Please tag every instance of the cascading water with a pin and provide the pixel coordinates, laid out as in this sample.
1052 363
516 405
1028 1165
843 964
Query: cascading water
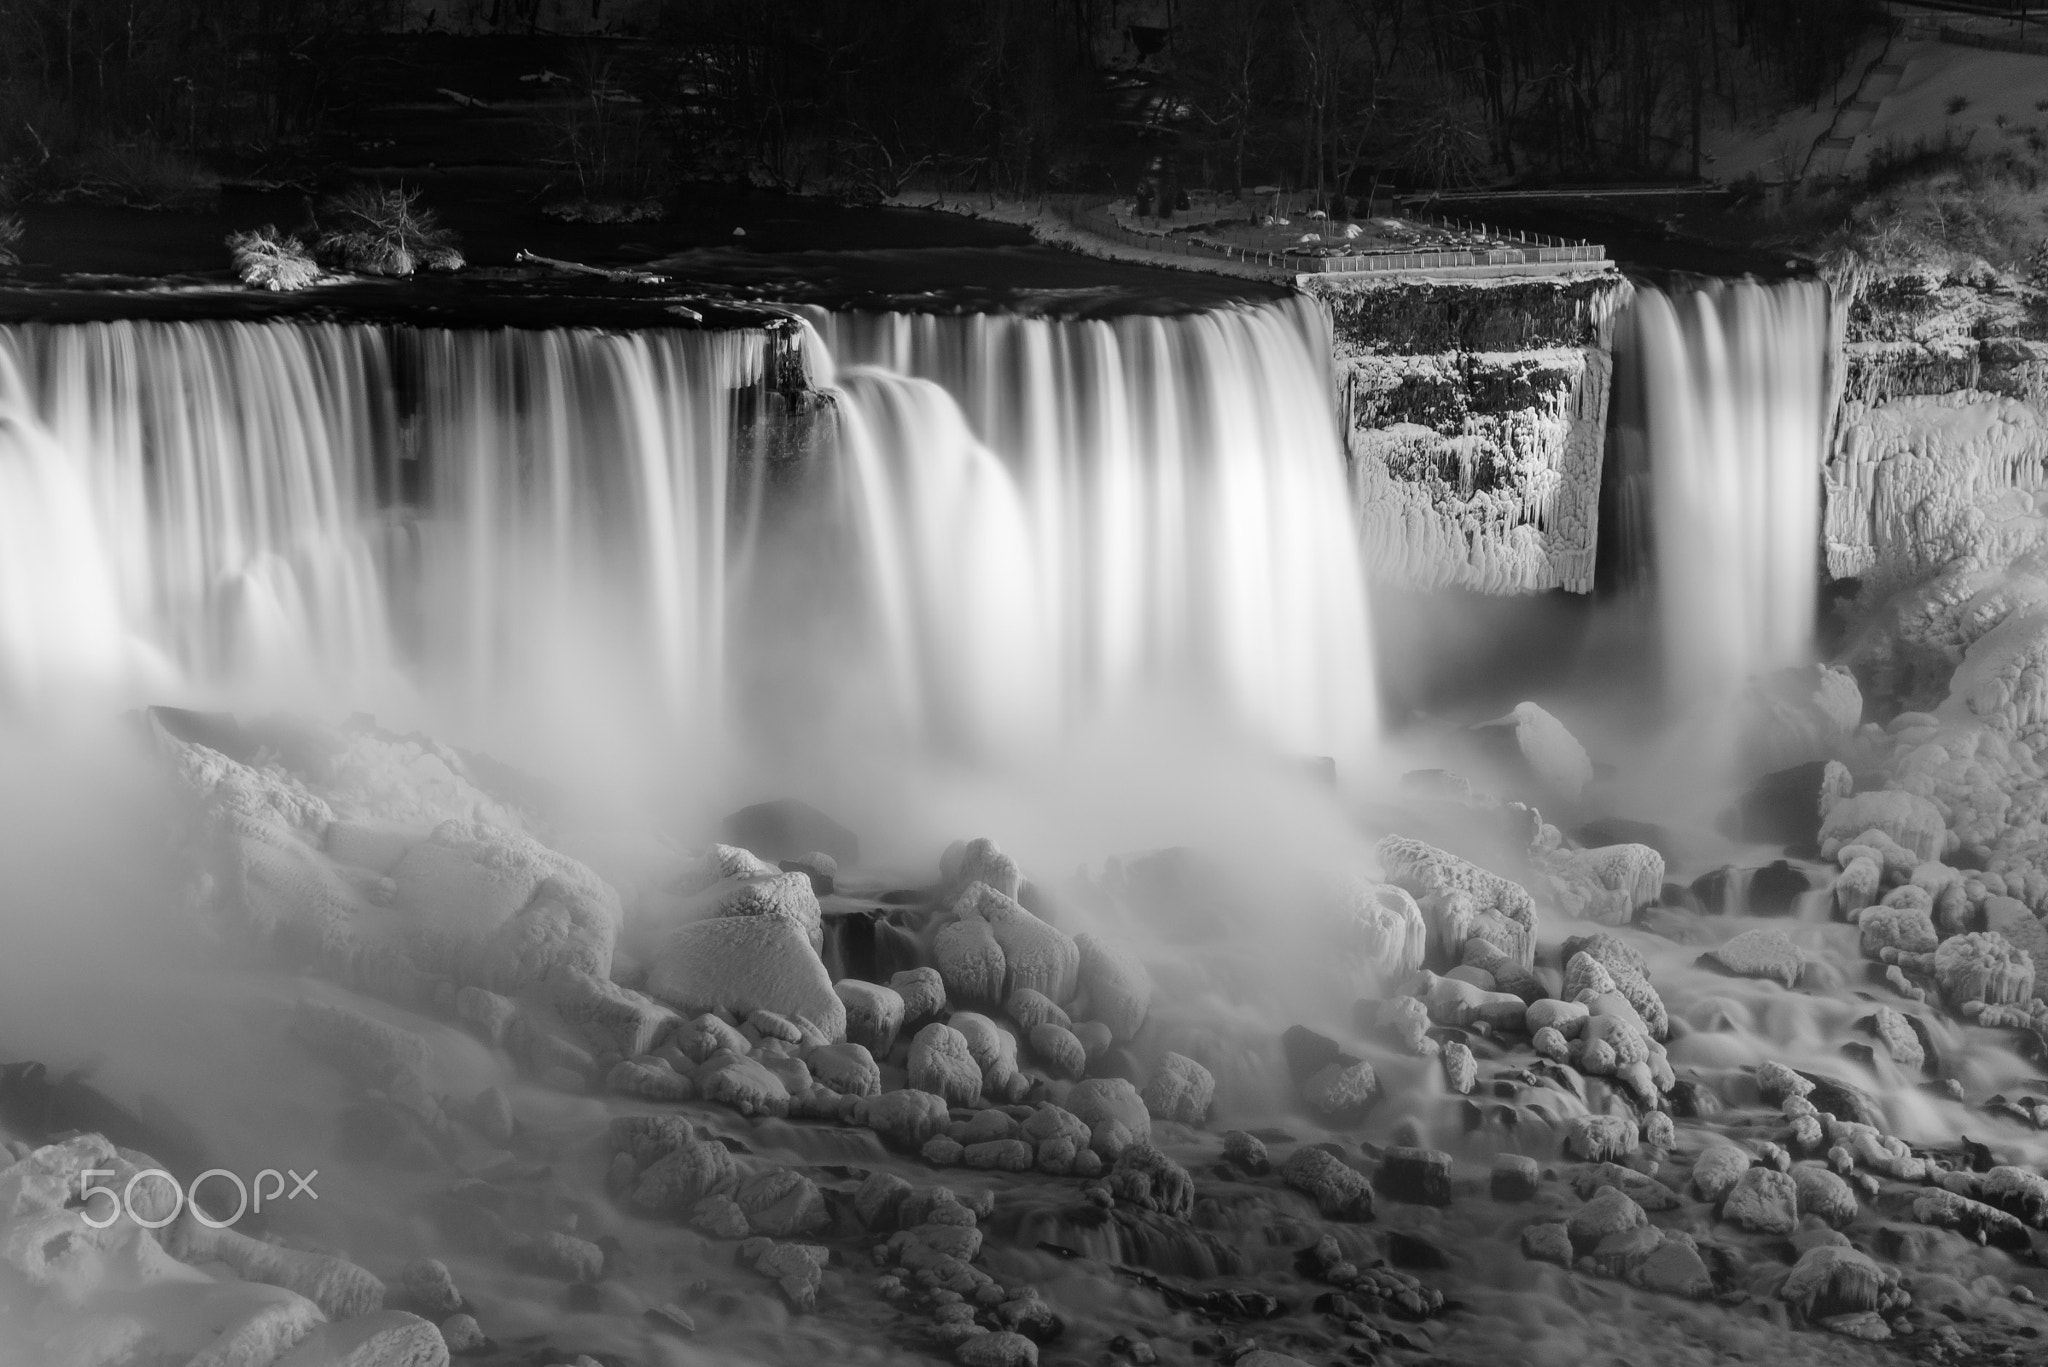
1166 508
500 528
1734 394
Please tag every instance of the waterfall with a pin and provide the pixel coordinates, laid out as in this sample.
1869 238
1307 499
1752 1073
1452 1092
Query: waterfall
1734 397
519 531
1161 504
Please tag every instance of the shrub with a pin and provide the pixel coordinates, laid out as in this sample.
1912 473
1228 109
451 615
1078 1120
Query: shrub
11 230
382 230
146 174
268 259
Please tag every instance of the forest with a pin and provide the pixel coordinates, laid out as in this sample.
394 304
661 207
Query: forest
1015 96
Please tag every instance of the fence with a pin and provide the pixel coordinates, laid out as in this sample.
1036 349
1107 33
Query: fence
1994 41
1093 216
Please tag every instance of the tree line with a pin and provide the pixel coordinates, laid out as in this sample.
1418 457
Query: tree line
867 97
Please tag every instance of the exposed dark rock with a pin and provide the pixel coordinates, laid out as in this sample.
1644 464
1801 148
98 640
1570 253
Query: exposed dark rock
786 828
1780 808
1622 830
1307 1052
1418 1175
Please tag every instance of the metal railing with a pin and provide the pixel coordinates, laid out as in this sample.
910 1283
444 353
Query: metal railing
1515 249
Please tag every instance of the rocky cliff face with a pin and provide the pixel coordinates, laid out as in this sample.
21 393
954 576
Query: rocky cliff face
1474 414
1941 437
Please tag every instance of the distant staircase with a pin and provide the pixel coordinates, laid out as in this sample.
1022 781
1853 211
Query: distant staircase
1832 153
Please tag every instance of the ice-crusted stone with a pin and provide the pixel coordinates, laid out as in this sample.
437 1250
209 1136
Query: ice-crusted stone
745 1084
1627 974
2012 918
1899 1038
655 1081
431 1287
1147 1178
1565 1017
1777 1082
1832 1280
1983 966
676 1181
1059 1049
1910 819
1180 1090
1906 928
1973 1219
1610 1211
942 1063
386 1338
996 1348
874 1014
1380 925
1764 1201
982 862
1608 884
1599 1138
719 864
923 991
1036 955
1117 985
1030 1008
744 964
1856 887
339 1287
848 1069
970 960
781 1202
1768 954
606 1016
1820 1192
907 1117
496 907
788 895
1553 755
1461 1069
1719 1167
1341 1092
1460 900
1339 1191
1104 1101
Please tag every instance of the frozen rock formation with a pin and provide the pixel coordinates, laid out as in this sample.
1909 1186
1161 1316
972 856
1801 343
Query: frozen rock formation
745 964
1476 458
1461 901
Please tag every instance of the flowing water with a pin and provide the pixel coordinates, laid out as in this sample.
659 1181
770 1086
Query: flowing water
1735 399
1147 502
509 527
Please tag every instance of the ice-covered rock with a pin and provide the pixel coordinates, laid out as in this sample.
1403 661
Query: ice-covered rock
1763 1200
1553 756
1117 986
1380 925
970 960
1910 819
744 964
1760 953
1460 900
1609 884
874 1014
1983 967
942 1063
1181 1090
1035 955
787 895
